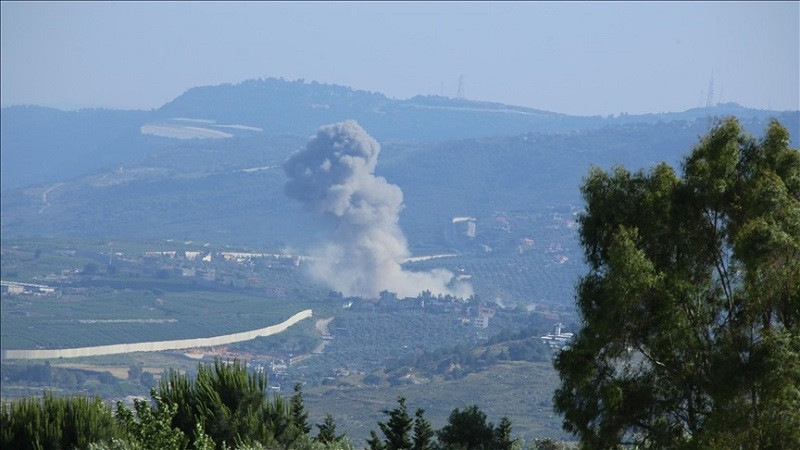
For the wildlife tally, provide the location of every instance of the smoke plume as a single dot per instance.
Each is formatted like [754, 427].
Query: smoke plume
[333, 177]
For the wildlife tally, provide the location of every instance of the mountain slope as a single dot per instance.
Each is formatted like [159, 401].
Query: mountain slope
[44, 145]
[232, 190]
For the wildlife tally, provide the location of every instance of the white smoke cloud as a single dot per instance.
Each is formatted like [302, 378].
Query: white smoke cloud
[333, 176]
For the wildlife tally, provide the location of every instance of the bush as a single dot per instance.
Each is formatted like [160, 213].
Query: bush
[56, 422]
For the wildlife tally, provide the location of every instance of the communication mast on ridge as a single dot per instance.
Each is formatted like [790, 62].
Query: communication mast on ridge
[460, 94]
[710, 99]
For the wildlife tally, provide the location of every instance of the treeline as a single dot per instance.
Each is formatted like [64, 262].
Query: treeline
[34, 377]
[226, 406]
[461, 360]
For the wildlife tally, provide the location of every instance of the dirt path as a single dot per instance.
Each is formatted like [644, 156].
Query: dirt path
[46, 204]
[322, 326]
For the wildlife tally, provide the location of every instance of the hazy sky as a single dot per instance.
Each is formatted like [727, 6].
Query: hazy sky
[570, 57]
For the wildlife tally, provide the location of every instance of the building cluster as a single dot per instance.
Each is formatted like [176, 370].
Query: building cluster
[236, 257]
[481, 320]
[557, 339]
[16, 288]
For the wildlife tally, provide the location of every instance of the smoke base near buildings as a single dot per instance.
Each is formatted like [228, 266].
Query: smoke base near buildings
[333, 176]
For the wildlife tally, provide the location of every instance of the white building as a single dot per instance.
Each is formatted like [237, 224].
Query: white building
[557, 339]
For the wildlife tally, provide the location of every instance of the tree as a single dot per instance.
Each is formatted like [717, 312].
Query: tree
[135, 372]
[147, 379]
[395, 430]
[55, 422]
[691, 306]
[229, 403]
[106, 378]
[327, 431]
[41, 373]
[467, 430]
[90, 269]
[375, 442]
[423, 432]
[299, 414]
[547, 444]
[152, 427]
[502, 436]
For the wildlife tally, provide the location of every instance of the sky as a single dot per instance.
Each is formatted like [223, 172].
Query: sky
[582, 58]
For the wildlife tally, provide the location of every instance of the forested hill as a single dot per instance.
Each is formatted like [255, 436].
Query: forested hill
[299, 108]
[44, 145]
[232, 190]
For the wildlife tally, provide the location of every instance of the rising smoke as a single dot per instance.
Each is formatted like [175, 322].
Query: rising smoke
[333, 177]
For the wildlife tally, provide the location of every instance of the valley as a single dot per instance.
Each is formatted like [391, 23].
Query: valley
[128, 227]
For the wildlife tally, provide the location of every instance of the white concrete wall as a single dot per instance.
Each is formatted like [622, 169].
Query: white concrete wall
[156, 346]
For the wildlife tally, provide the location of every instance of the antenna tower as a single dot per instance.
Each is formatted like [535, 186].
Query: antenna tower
[710, 99]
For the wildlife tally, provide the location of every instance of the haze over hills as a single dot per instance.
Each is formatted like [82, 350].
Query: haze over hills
[44, 145]
[494, 187]
[111, 173]
[231, 190]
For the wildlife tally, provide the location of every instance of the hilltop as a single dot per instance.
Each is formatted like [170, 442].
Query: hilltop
[45, 145]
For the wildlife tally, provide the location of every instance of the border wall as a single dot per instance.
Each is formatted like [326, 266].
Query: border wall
[157, 346]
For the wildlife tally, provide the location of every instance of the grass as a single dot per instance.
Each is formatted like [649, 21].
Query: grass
[61, 322]
[259, 295]
[520, 390]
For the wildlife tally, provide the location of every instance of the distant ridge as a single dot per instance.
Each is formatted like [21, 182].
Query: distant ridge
[299, 108]
[42, 145]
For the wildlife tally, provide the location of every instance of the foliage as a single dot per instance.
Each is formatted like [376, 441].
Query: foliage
[521, 390]
[55, 422]
[229, 403]
[374, 442]
[299, 414]
[37, 373]
[524, 345]
[467, 430]
[327, 431]
[152, 427]
[548, 444]
[502, 436]
[692, 301]
[423, 432]
[397, 428]
[135, 372]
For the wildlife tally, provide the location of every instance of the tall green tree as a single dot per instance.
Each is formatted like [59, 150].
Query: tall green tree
[423, 432]
[396, 430]
[502, 436]
[374, 442]
[229, 403]
[467, 430]
[55, 422]
[327, 431]
[691, 306]
[135, 372]
[151, 427]
[299, 414]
